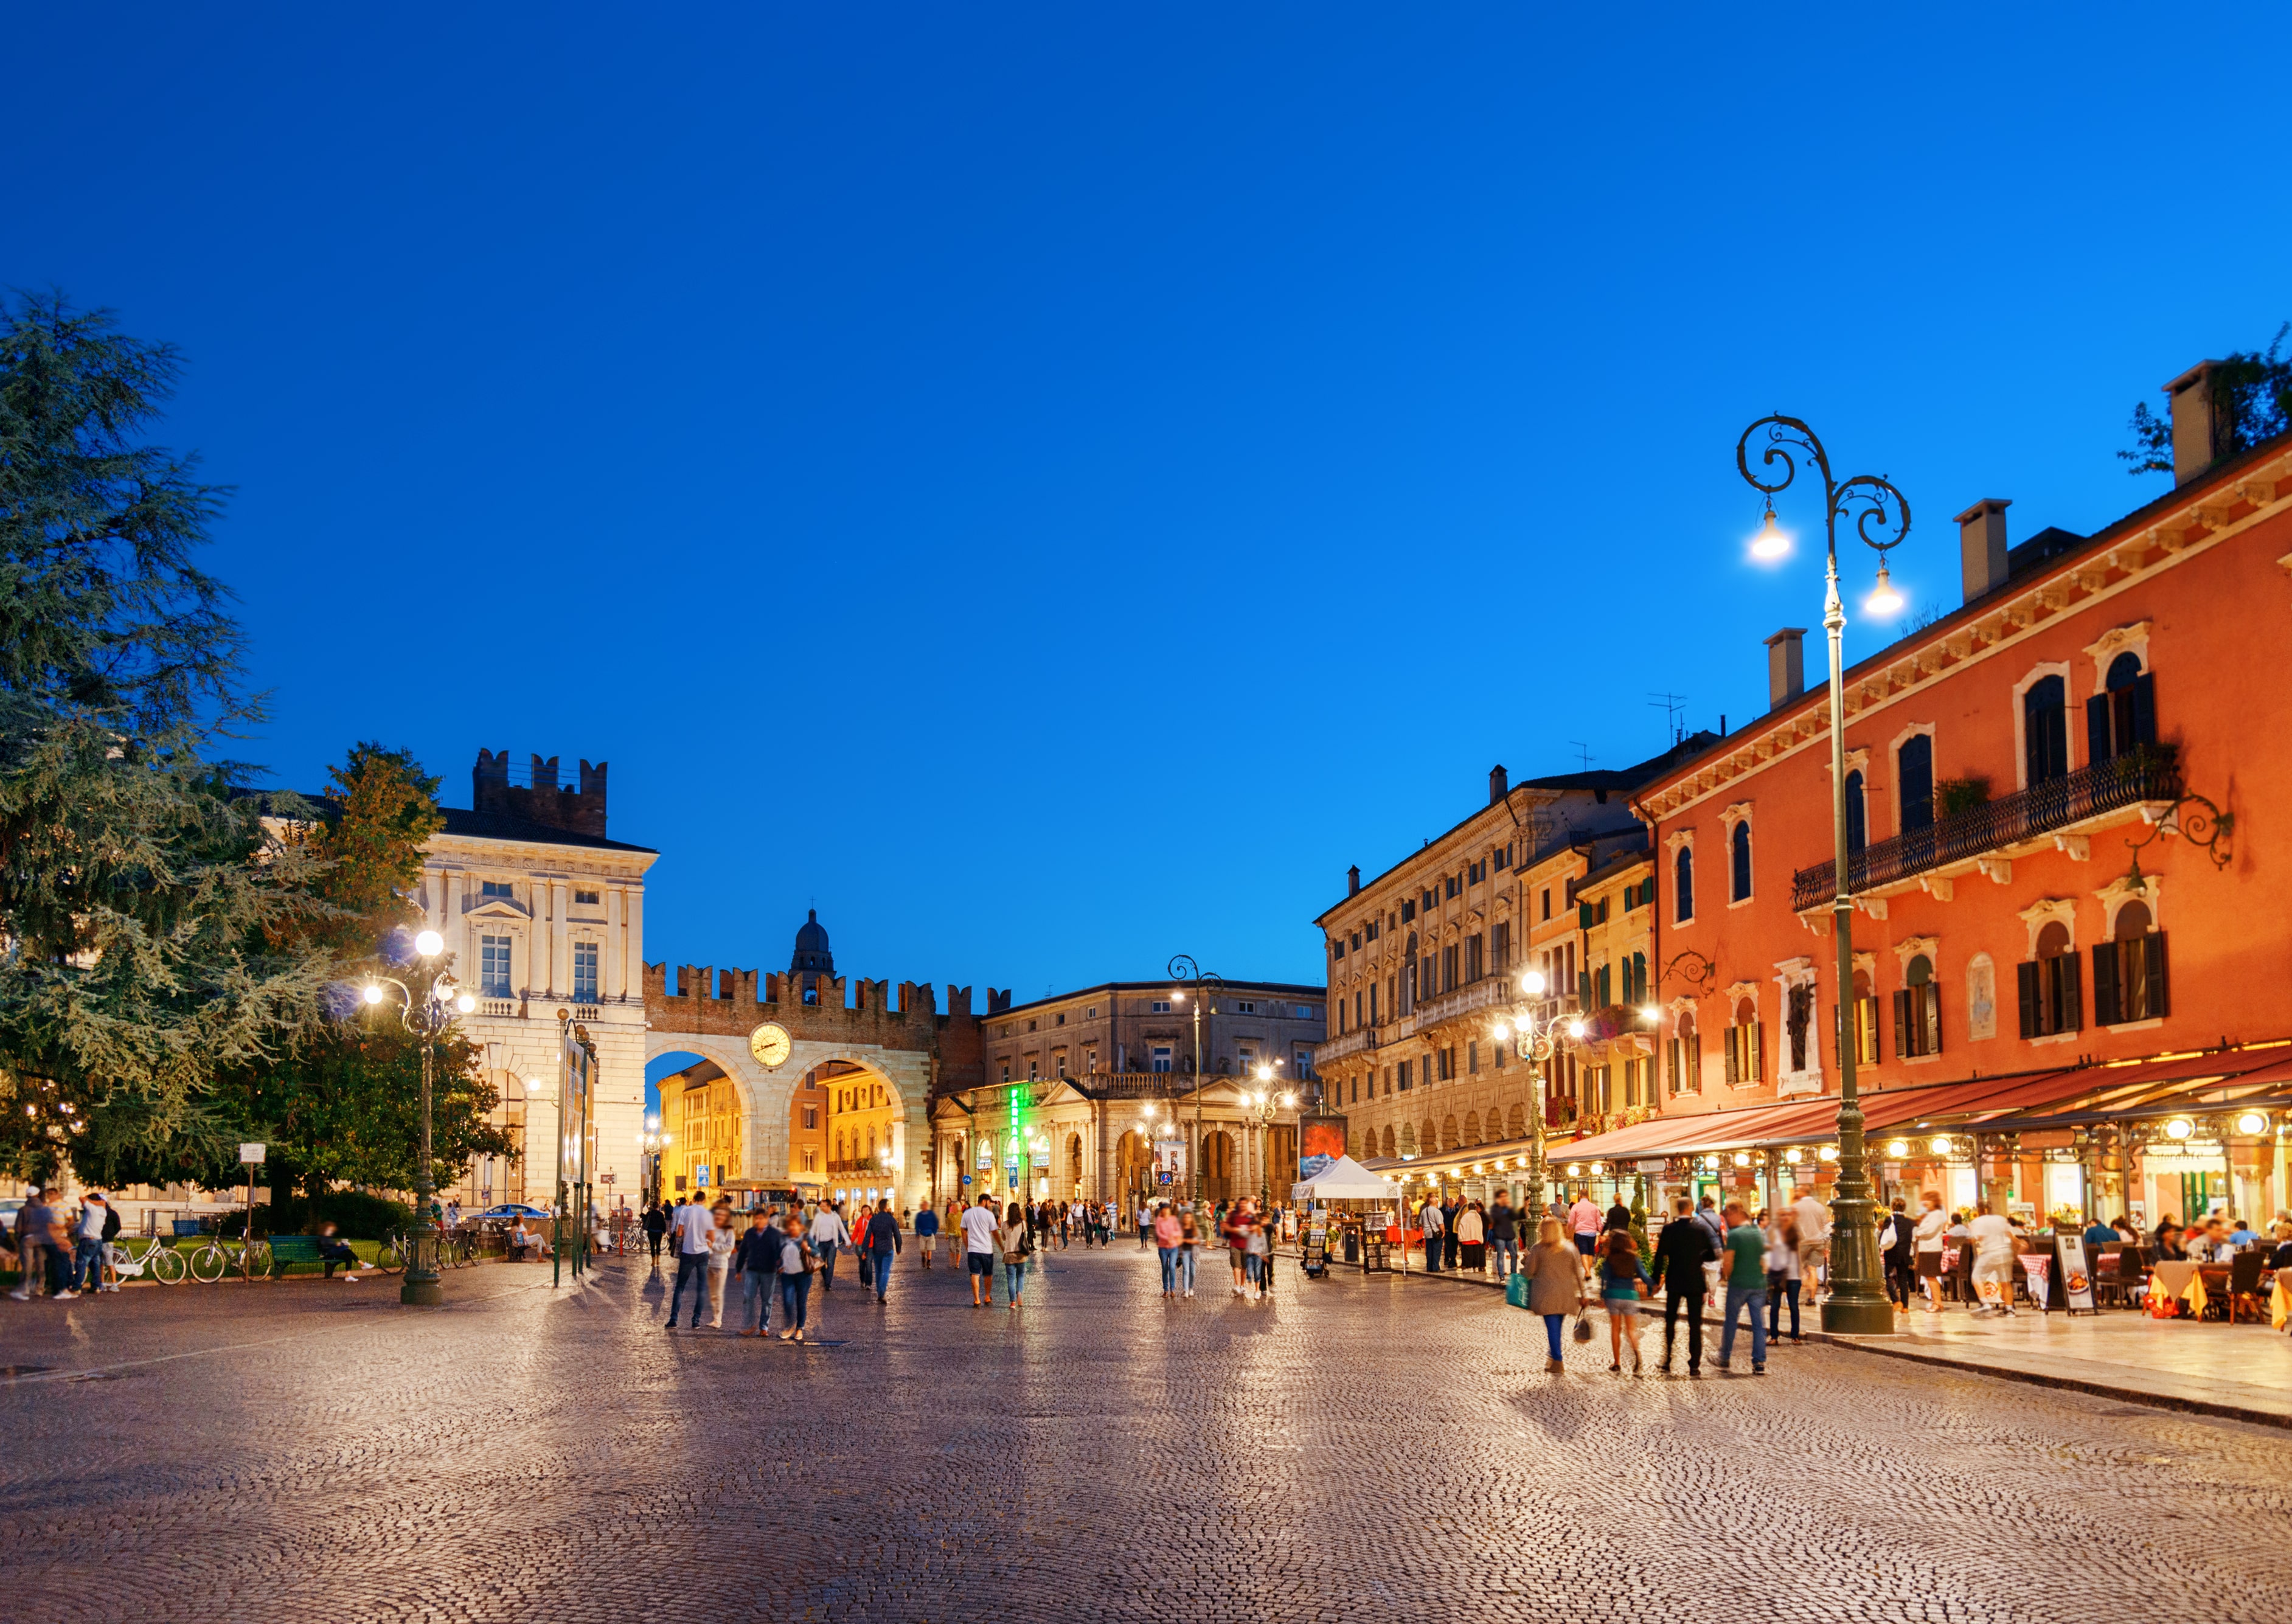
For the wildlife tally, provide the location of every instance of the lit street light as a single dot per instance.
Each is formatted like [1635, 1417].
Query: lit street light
[1881, 516]
[425, 1014]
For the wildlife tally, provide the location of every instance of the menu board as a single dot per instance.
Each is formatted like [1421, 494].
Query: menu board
[1317, 1245]
[2076, 1275]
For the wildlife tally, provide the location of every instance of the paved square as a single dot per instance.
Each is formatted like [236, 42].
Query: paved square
[1368, 1450]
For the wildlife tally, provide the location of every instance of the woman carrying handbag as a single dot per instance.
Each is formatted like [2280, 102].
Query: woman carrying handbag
[1555, 1272]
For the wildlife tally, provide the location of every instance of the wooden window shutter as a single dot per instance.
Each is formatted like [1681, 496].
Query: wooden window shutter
[1902, 1023]
[2097, 730]
[2029, 975]
[2072, 994]
[2144, 708]
[2104, 983]
[1934, 1017]
[2152, 954]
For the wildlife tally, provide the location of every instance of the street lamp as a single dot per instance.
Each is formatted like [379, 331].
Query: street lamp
[1538, 1040]
[1880, 515]
[1267, 1105]
[425, 1014]
[1185, 967]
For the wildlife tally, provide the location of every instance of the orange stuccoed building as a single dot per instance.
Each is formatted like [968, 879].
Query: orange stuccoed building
[2071, 874]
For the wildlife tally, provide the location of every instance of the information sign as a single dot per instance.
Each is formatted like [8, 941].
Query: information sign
[251, 1153]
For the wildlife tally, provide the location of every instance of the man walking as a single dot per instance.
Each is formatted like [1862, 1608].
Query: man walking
[883, 1242]
[926, 1232]
[1814, 1240]
[1504, 1236]
[978, 1243]
[656, 1226]
[1745, 1273]
[1583, 1223]
[827, 1232]
[756, 1260]
[693, 1223]
[1680, 1251]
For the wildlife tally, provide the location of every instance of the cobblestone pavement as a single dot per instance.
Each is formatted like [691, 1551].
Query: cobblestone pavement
[1354, 1450]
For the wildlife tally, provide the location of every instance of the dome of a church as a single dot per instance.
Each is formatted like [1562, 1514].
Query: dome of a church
[813, 957]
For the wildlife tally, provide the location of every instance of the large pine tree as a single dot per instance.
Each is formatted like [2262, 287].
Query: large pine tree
[156, 934]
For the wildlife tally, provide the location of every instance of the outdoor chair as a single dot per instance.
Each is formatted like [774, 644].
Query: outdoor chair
[2244, 1271]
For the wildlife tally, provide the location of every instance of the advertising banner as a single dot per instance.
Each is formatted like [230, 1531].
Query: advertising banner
[1321, 1142]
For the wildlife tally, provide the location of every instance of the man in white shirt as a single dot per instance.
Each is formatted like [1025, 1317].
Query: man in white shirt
[1993, 1261]
[980, 1231]
[828, 1233]
[693, 1223]
[1813, 1220]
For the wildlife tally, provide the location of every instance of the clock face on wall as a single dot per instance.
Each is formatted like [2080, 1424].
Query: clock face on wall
[768, 1043]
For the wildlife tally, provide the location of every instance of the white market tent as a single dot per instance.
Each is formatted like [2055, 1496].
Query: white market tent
[1345, 1180]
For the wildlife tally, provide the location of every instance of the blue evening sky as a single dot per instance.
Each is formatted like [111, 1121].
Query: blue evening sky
[1052, 485]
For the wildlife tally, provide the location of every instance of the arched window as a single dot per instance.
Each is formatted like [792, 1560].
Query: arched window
[2128, 971]
[1858, 822]
[1913, 783]
[1918, 1011]
[1745, 1045]
[2122, 718]
[1741, 845]
[2045, 730]
[1686, 1055]
[1682, 885]
[2051, 998]
[1866, 1021]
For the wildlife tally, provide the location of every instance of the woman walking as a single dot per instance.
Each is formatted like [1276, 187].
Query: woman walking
[1782, 1275]
[1166, 1243]
[1472, 1238]
[795, 1278]
[1623, 1281]
[720, 1241]
[1015, 1251]
[1189, 1240]
[1555, 1269]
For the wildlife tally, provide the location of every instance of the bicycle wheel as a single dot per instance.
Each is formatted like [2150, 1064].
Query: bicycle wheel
[208, 1263]
[165, 1265]
[257, 1257]
[389, 1257]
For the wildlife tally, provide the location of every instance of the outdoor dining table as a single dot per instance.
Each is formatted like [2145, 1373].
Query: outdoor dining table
[2178, 1278]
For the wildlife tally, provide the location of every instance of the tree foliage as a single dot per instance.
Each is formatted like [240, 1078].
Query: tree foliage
[2251, 401]
[156, 932]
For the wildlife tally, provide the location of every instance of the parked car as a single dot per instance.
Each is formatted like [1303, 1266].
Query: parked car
[509, 1210]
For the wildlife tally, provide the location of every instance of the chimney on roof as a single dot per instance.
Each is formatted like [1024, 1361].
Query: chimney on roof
[1785, 666]
[1499, 784]
[1982, 546]
[1352, 881]
[2199, 430]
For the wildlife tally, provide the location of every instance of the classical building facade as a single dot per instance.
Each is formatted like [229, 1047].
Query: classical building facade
[1090, 1094]
[1426, 960]
[543, 915]
[2059, 807]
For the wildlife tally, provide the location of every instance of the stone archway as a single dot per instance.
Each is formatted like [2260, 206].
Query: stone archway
[1220, 1169]
[1134, 1170]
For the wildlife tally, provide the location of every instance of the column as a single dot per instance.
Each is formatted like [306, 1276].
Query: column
[609, 983]
[457, 937]
[560, 944]
[632, 942]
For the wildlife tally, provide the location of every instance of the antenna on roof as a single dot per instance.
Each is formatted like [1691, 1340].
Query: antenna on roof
[1671, 704]
[1579, 747]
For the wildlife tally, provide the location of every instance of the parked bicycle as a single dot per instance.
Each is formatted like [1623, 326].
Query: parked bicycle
[156, 1259]
[218, 1258]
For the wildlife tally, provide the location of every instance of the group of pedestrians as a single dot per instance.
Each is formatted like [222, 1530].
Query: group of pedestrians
[1583, 1254]
[1178, 1238]
[778, 1255]
[62, 1249]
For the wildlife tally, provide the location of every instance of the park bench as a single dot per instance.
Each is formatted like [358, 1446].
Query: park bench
[288, 1249]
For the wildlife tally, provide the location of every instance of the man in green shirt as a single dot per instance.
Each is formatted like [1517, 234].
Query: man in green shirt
[1745, 1273]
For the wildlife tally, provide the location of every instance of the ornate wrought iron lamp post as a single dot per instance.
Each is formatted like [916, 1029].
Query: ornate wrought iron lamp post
[1267, 1105]
[1881, 519]
[1185, 968]
[1536, 1041]
[426, 1013]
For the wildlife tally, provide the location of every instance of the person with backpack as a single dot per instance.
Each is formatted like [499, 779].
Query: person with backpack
[656, 1226]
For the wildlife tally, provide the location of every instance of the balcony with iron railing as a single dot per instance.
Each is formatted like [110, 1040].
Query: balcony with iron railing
[2149, 774]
